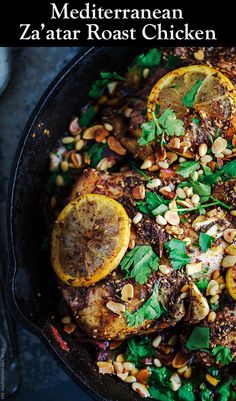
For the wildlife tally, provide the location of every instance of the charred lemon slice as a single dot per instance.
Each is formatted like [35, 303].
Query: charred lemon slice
[196, 92]
[231, 282]
[89, 239]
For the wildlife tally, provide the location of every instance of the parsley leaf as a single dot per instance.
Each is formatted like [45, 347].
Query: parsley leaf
[205, 241]
[160, 386]
[167, 124]
[95, 153]
[189, 99]
[100, 84]
[87, 116]
[138, 349]
[202, 284]
[226, 172]
[203, 190]
[199, 339]
[224, 392]
[222, 354]
[177, 253]
[152, 309]
[153, 204]
[142, 260]
[187, 168]
[172, 62]
[185, 392]
[205, 394]
[151, 59]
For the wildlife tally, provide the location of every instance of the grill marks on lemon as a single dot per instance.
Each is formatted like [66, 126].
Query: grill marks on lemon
[214, 100]
[89, 239]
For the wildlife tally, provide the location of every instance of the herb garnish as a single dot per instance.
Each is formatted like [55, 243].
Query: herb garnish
[151, 59]
[199, 339]
[152, 309]
[142, 261]
[205, 393]
[95, 153]
[189, 99]
[153, 204]
[172, 62]
[138, 349]
[226, 172]
[87, 116]
[205, 241]
[177, 253]
[100, 84]
[202, 284]
[187, 168]
[167, 124]
[222, 354]
[160, 386]
[185, 392]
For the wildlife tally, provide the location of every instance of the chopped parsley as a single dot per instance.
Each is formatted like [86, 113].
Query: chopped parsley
[185, 392]
[100, 84]
[95, 153]
[222, 354]
[187, 168]
[203, 190]
[152, 309]
[202, 284]
[199, 338]
[87, 116]
[160, 386]
[177, 253]
[151, 59]
[205, 394]
[167, 124]
[172, 62]
[138, 349]
[226, 172]
[189, 99]
[205, 241]
[139, 263]
[153, 204]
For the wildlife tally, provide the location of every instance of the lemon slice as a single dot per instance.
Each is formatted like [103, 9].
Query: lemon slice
[214, 100]
[231, 282]
[89, 239]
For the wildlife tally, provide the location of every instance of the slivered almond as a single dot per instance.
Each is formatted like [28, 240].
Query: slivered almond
[90, 132]
[172, 217]
[105, 368]
[101, 134]
[116, 146]
[106, 163]
[138, 192]
[116, 307]
[118, 367]
[219, 145]
[229, 234]
[175, 143]
[127, 292]
[180, 360]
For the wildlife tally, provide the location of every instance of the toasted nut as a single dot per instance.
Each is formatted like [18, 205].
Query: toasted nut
[143, 376]
[175, 143]
[182, 159]
[116, 307]
[212, 231]
[188, 240]
[128, 111]
[80, 144]
[206, 159]
[180, 360]
[127, 292]
[199, 55]
[167, 188]
[182, 370]
[134, 372]
[211, 317]
[175, 382]
[141, 389]
[167, 349]
[229, 234]
[118, 367]
[137, 218]
[116, 146]
[108, 127]
[212, 380]
[74, 127]
[128, 366]
[184, 203]
[195, 199]
[120, 358]
[185, 144]
[180, 193]
[214, 299]
[67, 139]
[184, 288]
[219, 145]
[172, 217]
[215, 275]
[188, 373]
[131, 379]
[171, 157]
[231, 249]
[146, 164]
[112, 87]
[66, 320]
[229, 260]
[156, 342]
[192, 268]
[132, 244]
[123, 376]
[172, 205]
[220, 280]
[174, 230]
[64, 166]
[233, 212]
[154, 168]
[100, 135]
[227, 152]
[202, 221]
[114, 344]
[105, 368]
[202, 149]
[157, 363]
[106, 163]
[212, 288]
[91, 132]
[160, 220]
[138, 192]
[195, 175]
[219, 155]
[164, 269]
[59, 181]
[164, 165]
[146, 72]
[188, 191]
[76, 159]
[156, 182]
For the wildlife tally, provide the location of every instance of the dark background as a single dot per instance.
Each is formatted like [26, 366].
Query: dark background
[32, 70]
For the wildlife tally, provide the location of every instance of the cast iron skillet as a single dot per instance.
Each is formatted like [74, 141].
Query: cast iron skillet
[30, 273]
